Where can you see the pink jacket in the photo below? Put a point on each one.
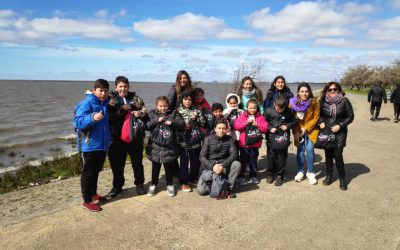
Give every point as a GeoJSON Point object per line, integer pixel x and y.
{"type": "Point", "coordinates": [240, 125]}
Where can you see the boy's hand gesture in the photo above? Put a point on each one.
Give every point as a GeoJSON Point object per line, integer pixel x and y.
{"type": "Point", "coordinates": [193, 115]}
{"type": "Point", "coordinates": [160, 119]}
{"type": "Point", "coordinates": [126, 107]}
{"type": "Point", "coordinates": [218, 168]}
{"type": "Point", "coordinates": [283, 127]}
{"type": "Point", "coordinates": [98, 116]}
{"type": "Point", "coordinates": [168, 123]}
{"type": "Point", "coordinates": [273, 130]}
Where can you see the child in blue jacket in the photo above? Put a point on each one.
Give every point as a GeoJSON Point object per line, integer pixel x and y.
{"type": "Point", "coordinates": [91, 121]}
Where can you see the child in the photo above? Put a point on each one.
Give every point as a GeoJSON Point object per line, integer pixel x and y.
{"type": "Point", "coordinates": [199, 101]}
{"type": "Point", "coordinates": [91, 118]}
{"type": "Point", "coordinates": [278, 117]}
{"type": "Point", "coordinates": [248, 90]}
{"type": "Point", "coordinates": [127, 101]}
{"type": "Point", "coordinates": [162, 124]}
{"type": "Point", "coordinates": [232, 112]}
{"type": "Point", "coordinates": [249, 154]}
{"type": "Point", "coordinates": [189, 140]}
{"type": "Point", "coordinates": [217, 109]}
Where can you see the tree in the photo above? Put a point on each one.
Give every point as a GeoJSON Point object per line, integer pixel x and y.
{"type": "Point", "coordinates": [253, 70]}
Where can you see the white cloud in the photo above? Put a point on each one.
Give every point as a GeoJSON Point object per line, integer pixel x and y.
{"type": "Point", "coordinates": [387, 30]}
{"type": "Point", "coordinates": [234, 34]}
{"type": "Point", "coordinates": [259, 51]}
{"type": "Point", "coordinates": [49, 31]}
{"type": "Point", "coordinates": [347, 43]}
{"type": "Point", "coordinates": [122, 12]}
{"type": "Point", "coordinates": [355, 8]}
{"type": "Point", "coordinates": [188, 27]}
{"type": "Point", "coordinates": [301, 21]}
{"type": "Point", "coordinates": [228, 53]}
{"type": "Point", "coordinates": [101, 13]}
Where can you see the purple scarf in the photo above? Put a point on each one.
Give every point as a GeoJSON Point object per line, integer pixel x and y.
{"type": "Point", "coordinates": [332, 101]}
{"type": "Point", "coordinates": [299, 106]}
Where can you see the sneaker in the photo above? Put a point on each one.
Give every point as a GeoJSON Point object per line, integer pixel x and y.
{"type": "Point", "coordinates": [270, 179]}
{"type": "Point", "coordinates": [92, 207]}
{"type": "Point", "coordinates": [98, 198]}
{"type": "Point", "coordinates": [152, 190]}
{"type": "Point", "coordinates": [231, 195]}
{"type": "Point", "coordinates": [171, 191]}
{"type": "Point", "coordinates": [114, 192]}
{"type": "Point", "coordinates": [242, 181]}
{"type": "Point", "coordinates": [278, 181]}
{"type": "Point", "coordinates": [311, 178]}
{"type": "Point", "coordinates": [186, 188]}
{"type": "Point", "coordinates": [140, 190]}
{"type": "Point", "coordinates": [253, 180]}
{"type": "Point", "coordinates": [299, 177]}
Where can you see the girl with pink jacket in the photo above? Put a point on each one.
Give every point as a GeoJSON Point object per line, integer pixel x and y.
{"type": "Point", "coordinates": [249, 153]}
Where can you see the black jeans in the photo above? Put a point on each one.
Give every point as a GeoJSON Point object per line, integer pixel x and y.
{"type": "Point", "coordinates": [250, 156]}
{"type": "Point", "coordinates": [92, 165]}
{"type": "Point", "coordinates": [169, 172]}
{"type": "Point", "coordinates": [375, 106]}
{"type": "Point", "coordinates": [336, 154]}
{"type": "Point", "coordinates": [117, 155]}
{"type": "Point", "coordinates": [187, 156]}
{"type": "Point", "coordinates": [276, 161]}
{"type": "Point", "coordinates": [396, 107]}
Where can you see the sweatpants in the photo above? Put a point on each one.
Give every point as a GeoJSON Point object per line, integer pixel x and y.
{"type": "Point", "coordinates": [187, 156]}
{"type": "Point", "coordinates": [276, 161]}
{"type": "Point", "coordinates": [250, 156]}
{"type": "Point", "coordinates": [337, 154]}
{"type": "Point", "coordinates": [117, 155]}
{"type": "Point", "coordinates": [232, 172]}
{"type": "Point", "coordinates": [92, 165]}
{"type": "Point", "coordinates": [155, 172]}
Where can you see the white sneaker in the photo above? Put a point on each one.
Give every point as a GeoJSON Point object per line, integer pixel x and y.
{"type": "Point", "coordinates": [152, 190]}
{"type": "Point", "coordinates": [253, 180]}
{"type": "Point", "coordinates": [299, 177]}
{"type": "Point", "coordinates": [311, 178]}
{"type": "Point", "coordinates": [242, 181]}
{"type": "Point", "coordinates": [171, 191]}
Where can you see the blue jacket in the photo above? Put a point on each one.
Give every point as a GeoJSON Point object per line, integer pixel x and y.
{"type": "Point", "coordinates": [92, 136]}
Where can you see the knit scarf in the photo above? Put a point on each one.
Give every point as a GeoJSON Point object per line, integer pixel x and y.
{"type": "Point", "coordinates": [299, 106]}
{"type": "Point", "coordinates": [332, 101]}
{"type": "Point", "coordinates": [249, 94]}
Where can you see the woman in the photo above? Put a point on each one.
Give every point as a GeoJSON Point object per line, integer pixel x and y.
{"type": "Point", "coordinates": [336, 113]}
{"type": "Point", "coordinates": [182, 83]}
{"type": "Point", "coordinates": [278, 88]}
{"type": "Point", "coordinates": [248, 90]}
{"type": "Point", "coordinates": [307, 109]}
{"type": "Point", "coordinates": [395, 99]}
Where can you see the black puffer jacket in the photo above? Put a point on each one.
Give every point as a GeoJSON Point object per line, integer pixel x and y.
{"type": "Point", "coordinates": [220, 150]}
{"type": "Point", "coordinates": [169, 152]}
{"type": "Point", "coordinates": [344, 116]}
{"type": "Point", "coordinates": [376, 94]}
{"type": "Point", "coordinates": [275, 120]}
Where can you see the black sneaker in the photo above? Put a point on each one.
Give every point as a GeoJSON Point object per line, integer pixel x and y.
{"type": "Point", "coordinates": [278, 181]}
{"type": "Point", "coordinates": [114, 192]}
{"type": "Point", "coordinates": [140, 190]}
{"type": "Point", "coordinates": [270, 179]}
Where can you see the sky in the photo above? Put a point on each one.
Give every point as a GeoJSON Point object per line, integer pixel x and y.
{"type": "Point", "coordinates": [151, 40]}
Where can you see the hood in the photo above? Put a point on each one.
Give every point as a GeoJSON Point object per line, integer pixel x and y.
{"type": "Point", "coordinates": [91, 97]}
{"type": "Point", "coordinates": [229, 95]}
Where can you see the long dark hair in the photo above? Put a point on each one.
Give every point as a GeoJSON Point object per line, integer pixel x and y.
{"type": "Point", "coordinates": [273, 87]}
{"type": "Point", "coordinates": [259, 95]}
{"type": "Point", "coordinates": [328, 85]}
{"type": "Point", "coordinates": [178, 87]}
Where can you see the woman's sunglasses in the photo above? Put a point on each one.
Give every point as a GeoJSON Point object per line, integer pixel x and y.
{"type": "Point", "coordinates": [332, 90]}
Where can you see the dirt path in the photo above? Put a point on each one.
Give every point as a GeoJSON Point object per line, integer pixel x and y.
{"type": "Point", "coordinates": [296, 215]}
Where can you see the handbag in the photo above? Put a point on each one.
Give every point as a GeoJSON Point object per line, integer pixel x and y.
{"type": "Point", "coordinates": [194, 134]}
{"type": "Point", "coordinates": [132, 128]}
{"type": "Point", "coordinates": [281, 139]}
{"type": "Point", "coordinates": [326, 139]}
{"type": "Point", "coordinates": [253, 135]}
{"type": "Point", "coordinates": [209, 118]}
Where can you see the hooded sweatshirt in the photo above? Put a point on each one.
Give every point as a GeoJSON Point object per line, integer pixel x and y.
{"type": "Point", "coordinates": [232, 116]}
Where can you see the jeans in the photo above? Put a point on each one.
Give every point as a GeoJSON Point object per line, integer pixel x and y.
{"type": "Point", "coordinates": [169, 172]}
{"type": "Point", "coordinates": [92, 165]}
{"type": "Point", "coordinates": [250, 156]}
{"type": "Point", "coordinates": [307, 146]}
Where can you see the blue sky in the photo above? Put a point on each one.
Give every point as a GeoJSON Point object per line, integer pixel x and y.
{"type": "Point", "coordinates": [152, 40]}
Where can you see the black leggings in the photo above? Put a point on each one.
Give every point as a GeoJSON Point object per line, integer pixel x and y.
{"type": "Point", "coordinates": [336, 154]}
{"type": "Point", "coordinates": [396, 107]}
{"type": "Point", "coordinates": [169, 172]}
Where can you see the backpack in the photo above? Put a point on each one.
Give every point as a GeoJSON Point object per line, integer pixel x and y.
{"type": "Point", "coordinates": [133, 128]}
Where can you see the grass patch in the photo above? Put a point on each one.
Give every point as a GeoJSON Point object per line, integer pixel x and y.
{"type": "Point", "coordinates": [357, 92]}
{"type": "Point", "coordinates": [62, 166]}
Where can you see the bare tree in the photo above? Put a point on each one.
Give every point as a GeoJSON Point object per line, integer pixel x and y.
{"type": "Point", "coordinates": [253, 70]}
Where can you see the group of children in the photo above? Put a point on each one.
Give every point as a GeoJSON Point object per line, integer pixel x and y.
{"type": "Point", "coordinates": [175, 133]}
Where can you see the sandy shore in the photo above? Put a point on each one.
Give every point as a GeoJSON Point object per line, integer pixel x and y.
{"type": "Point", "coordinates": [296, 215]}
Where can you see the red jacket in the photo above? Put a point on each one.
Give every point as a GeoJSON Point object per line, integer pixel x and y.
{"type": "Point", "coordinates": [240, 125]}
{"type": "Point", "coordinates": [202, 104]}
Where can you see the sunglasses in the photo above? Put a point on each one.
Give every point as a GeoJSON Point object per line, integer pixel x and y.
{"type": "Point", "coordinates": [332, 90]}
